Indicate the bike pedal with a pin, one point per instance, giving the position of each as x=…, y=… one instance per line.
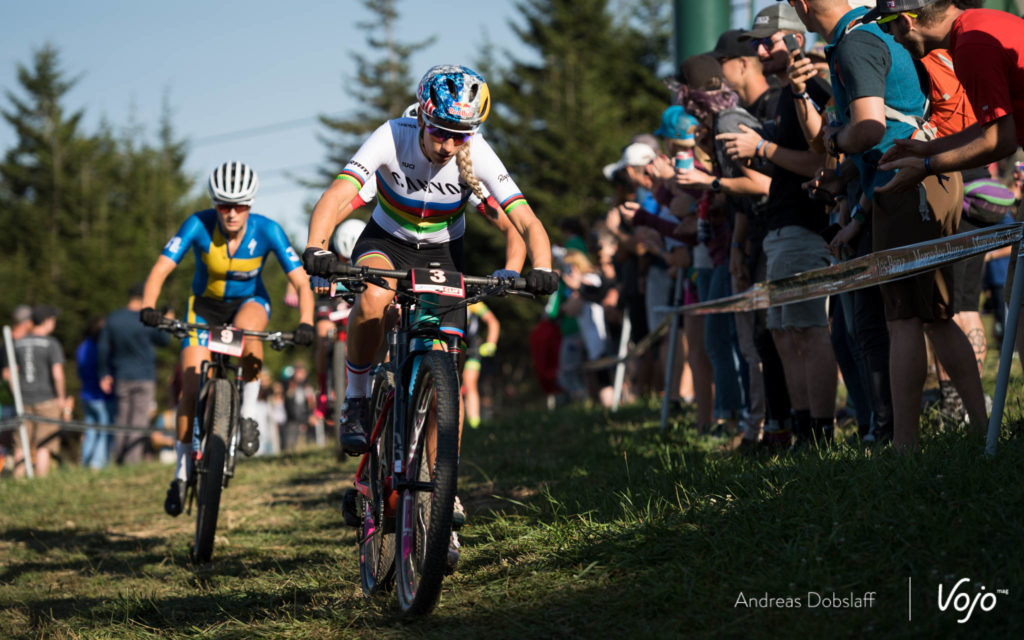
x=350, y=509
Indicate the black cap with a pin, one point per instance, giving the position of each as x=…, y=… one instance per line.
x=699, y=72
x=730, y=45
x=887, y=7
x=43, y=312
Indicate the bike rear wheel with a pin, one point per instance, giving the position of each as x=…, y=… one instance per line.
x=377, y=535
x=217, y=418
x=424, y=515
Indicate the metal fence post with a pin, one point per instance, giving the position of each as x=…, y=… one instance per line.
x=12, y=364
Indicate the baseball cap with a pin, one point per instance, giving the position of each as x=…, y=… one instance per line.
x=637, y=154
x=43, y=312
x=698, y=71
x=21, y=313
x=731, y=45
x=676, y=124
x=887, y=7
x=772, y=19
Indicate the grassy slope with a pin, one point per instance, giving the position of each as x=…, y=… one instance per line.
x=581, y=525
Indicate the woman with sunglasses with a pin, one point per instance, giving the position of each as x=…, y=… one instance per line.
x=425, y=170
x=231, y=246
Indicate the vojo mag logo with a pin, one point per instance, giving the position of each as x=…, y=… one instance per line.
x=964, y=603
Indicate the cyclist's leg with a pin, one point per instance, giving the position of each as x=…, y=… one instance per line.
x=193, y=354
x=324, y=334
x=470, y=385
x=252, y=315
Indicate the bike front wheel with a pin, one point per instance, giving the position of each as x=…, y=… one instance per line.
x=210, y=480
x=424, y=514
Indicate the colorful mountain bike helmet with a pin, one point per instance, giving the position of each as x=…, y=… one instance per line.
x=453, y=97
x=233, y=183
x=345, y=236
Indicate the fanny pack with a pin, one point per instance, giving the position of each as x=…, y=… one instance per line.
x=987, y=202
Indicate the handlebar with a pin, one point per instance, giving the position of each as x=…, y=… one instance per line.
x=343, y=271
x=278, y=339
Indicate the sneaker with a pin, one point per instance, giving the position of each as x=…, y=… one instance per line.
x=249, y=436
x=458, y=514
x=174, y=503
x=453, y=552
x=355, y=416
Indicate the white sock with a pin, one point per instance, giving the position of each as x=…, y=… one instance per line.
x=358, y=382
x=250, y=398
x=184, y=451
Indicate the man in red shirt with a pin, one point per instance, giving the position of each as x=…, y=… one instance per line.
x=987, y=48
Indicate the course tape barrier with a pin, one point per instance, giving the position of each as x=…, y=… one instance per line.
x=74, y=425
x=859, y=273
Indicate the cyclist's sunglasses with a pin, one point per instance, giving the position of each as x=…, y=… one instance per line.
x=441, y=135
x=225, y=207
x=885, y=23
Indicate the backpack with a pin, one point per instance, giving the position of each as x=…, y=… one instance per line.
x=987, y=202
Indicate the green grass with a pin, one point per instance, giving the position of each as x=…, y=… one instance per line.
x=582, y=524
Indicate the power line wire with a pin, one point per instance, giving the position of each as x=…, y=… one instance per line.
x=256, y=131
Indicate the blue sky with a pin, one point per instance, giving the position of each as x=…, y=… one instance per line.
x=229, y=66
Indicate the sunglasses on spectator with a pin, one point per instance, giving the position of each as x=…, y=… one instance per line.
x=885, y=23
x=441, y=135
x=767, y=43
x=225, y=207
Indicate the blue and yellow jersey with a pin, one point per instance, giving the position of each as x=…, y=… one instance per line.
x=223, y=276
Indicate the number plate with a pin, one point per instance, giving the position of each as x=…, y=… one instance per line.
x=227, y=341
x=439, y=281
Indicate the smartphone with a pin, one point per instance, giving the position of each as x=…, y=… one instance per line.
x=792, y=44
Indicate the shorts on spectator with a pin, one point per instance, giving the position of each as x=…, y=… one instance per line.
x=968, y=275
x=790, y=250
x=897, y=221
x=42, y=434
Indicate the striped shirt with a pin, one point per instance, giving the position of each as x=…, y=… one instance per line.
x=417, y=201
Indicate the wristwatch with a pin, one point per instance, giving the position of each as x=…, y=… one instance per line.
x=716, y=185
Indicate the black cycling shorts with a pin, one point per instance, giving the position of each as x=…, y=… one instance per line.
x=402, y=255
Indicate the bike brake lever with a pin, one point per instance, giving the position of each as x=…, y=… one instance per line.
x=525, y=294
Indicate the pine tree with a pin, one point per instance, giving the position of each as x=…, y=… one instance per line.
x=557, y=122
x=382, y=88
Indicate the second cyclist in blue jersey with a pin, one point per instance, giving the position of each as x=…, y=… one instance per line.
x=231, y=246
x=425, y=169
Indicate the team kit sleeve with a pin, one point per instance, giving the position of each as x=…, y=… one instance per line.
x=281, y=247
x=493, y=174
x=374, y=152
x=178, y=246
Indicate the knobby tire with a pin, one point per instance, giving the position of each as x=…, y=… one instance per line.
x=216, y=426
x=424, y=518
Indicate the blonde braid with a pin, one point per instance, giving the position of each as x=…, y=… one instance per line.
x=465, y=164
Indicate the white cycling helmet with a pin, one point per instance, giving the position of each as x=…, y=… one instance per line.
x=233, y=183
x=411, y=111
x=345, y=236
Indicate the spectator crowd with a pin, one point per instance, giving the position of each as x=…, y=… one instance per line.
x=774, y=158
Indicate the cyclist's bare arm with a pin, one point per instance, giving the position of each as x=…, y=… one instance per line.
x=299, y=279
x=332, y=208
x=537, y=243
x=155, y=281
x=493, y=326
x=515, y=247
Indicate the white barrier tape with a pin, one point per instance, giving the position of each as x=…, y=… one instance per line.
x=866, y=271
